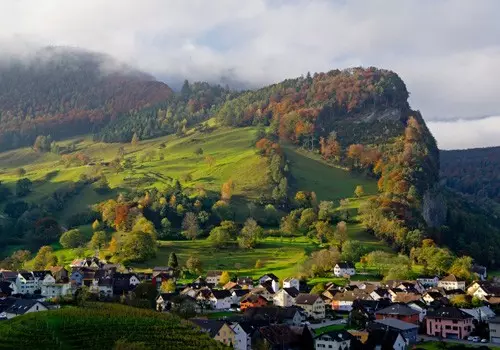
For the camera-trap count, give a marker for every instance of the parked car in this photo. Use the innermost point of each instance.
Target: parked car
(484, 340)
(476, 339)
(470, 338)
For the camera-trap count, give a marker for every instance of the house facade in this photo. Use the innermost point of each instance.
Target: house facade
(400, 312)
(449, 322)
(312, 305)
(428, 281)
(51, 288)
(495, 330)
(24, 306)
(344, 269)
(451, 282)
(252, 301)
(213, 277)
(26, 283)
(291, 282)
(285, 297)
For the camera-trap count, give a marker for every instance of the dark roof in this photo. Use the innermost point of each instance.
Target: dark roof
(239, 292)
(105, 282)
(454, 292)
(244, 280)
(9, 275)
(27, 275)
(489, 287)
(270, 313)
(5, 303)
(292, 291)
(41, 274)
(271, 276)
(434, 294)
(346, 265)
(221, 293)
(338, 336)
(279, 335)
(306, 299)
(381, 291)
(20, 306)
(5, 287)
(214, 273)
(393, 323)
(450, 313)
(124, 276)
(383, 338)
(398, 309)
(450, 278)
(210, 326)
(479, 269)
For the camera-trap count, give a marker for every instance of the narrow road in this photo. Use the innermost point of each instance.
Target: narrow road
(454, 341)
(327, 323)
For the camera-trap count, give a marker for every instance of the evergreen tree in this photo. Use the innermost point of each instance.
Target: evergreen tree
(172, 261)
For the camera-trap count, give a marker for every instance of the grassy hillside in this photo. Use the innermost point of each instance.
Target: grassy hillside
(311, 173)
(100, 326)
(152, 166)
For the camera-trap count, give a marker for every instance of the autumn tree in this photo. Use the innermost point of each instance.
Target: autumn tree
(341, 233)
(259, 264)
(96, 226)
(224, 278)
(98, 240)
(113, 246)
(138, 247)
(190, 226)
(359, 191)
(324, 231)
(219, 237)
(250, 234)
(462, 268)
(227, 190)
(43, 258)
(20, 172)
(167, 286)
(318, 289)
(330, 148)
(193, 264)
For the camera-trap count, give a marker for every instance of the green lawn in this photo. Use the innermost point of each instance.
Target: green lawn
(310, 173)
(331, 328)
(281, 257)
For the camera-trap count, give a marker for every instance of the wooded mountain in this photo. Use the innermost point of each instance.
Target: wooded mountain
(358, 118)
(64, 92)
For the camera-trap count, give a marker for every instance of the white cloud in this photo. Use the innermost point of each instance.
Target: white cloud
(461, 134)
(447, 51)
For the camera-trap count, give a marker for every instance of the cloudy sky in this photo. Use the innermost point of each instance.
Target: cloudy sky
(447, 51)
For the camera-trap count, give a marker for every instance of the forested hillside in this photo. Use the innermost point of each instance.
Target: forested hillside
(474, 172)
(64, 92)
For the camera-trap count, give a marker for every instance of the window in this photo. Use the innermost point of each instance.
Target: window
(455, 321)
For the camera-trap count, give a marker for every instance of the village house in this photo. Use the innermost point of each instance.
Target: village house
(421, 307)
(291, 282)
(268, 277)
(161, 277)
(336, 340)
(483, 289)
(481, 314)
(344, 301)
(7, 275)
(217, 330)
(269, 314)
(213, 277)
(245, 282)
(451, 282)
(432, 297)
(103, 287)
(265, 290)
(428, 281)
(449, 322)
(312, 305)
(252, 300)
(237, 294)
(385, 340)
(59, 273)
(380, 293)
(480, 271)
(494, 327)
(24, 306)
(52, 288)
(409, 331)
(39, 277)
(344, 269)
(400, 312)
(167, 301)
(231, 285)
(220, 299)
(76, 277)
(285, 297)
(26, 283)
(243, 332)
